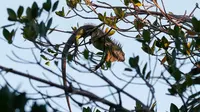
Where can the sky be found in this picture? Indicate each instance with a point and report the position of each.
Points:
(177, 7)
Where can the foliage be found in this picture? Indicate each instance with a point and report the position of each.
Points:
(13, 101)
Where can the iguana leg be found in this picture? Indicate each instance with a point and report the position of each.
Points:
(103, 60)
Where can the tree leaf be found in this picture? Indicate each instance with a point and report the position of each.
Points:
(20, 101)
(56, 63)
(49, 23)
(196, 24)
(47, 5)
(137, 3)
(20, 11)
(43, 57)
(61, 13)
(110, 33)
(173, 108)
(133, 62)
(146, 36)
(87, 109)
(55, 5)
(148, 75)
(38, 108)
(128, 69)
(100, 16)
(144, 69)
(86, 54)
(126, 2)
(138, 24)
(8, 36)
(47, 63)
(50, 51)
(69, 58)
(12, 15)
(146, 48)
(108, 64)
(34, 10)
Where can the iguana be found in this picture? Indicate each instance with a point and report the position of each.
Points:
(100, 40)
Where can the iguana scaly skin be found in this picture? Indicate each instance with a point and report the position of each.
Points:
(99, 39)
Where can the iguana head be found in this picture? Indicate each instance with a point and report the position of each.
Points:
(105, 43)
(114, 52)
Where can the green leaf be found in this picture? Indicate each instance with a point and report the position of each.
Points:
(86, 54)
(98, 110)
(153, 46)
(170, 60)
(156, 22)
(146, 36)
(133, 62)
(55, 54)
(12, 15)
(42, 29)
(34, 10)
(177, 31)
(138, 24)
(164, 43)
(128, 69)
(8, 36)
(12, 101)
(6, 99)
(43, 57)
(47, 5)
(29, 13)
(158, 43)
(146, 48)
(189, 80)
(47, 63)
(20, 11)
(138, 106)
(101, 17)
(49, 23)
(119, 13)
(50, 51)
(69, 58)
(72, 3)
(56, 63)
(20, 101)
(148, 75)
(173, 108)
(57, 47)
(196, 24)
(87, 109)
(172, 91)
(55, 5)
(108, 64)
(175, 72)
(126, 2)
(30, 31)
(61, 13)
(38, 108)
(100, 53)
(174, 55)
(144, 69)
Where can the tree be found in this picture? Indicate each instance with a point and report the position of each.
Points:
(170, 41)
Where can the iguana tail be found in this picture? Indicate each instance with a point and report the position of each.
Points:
(99, 40)
(86, 32)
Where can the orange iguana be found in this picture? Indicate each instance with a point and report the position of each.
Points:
(100, 40)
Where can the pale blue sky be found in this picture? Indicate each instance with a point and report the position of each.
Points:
(177, 7)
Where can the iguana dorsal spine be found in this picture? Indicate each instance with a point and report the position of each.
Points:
(99, 40)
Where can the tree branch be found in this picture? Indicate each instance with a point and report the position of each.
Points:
(72, 90)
